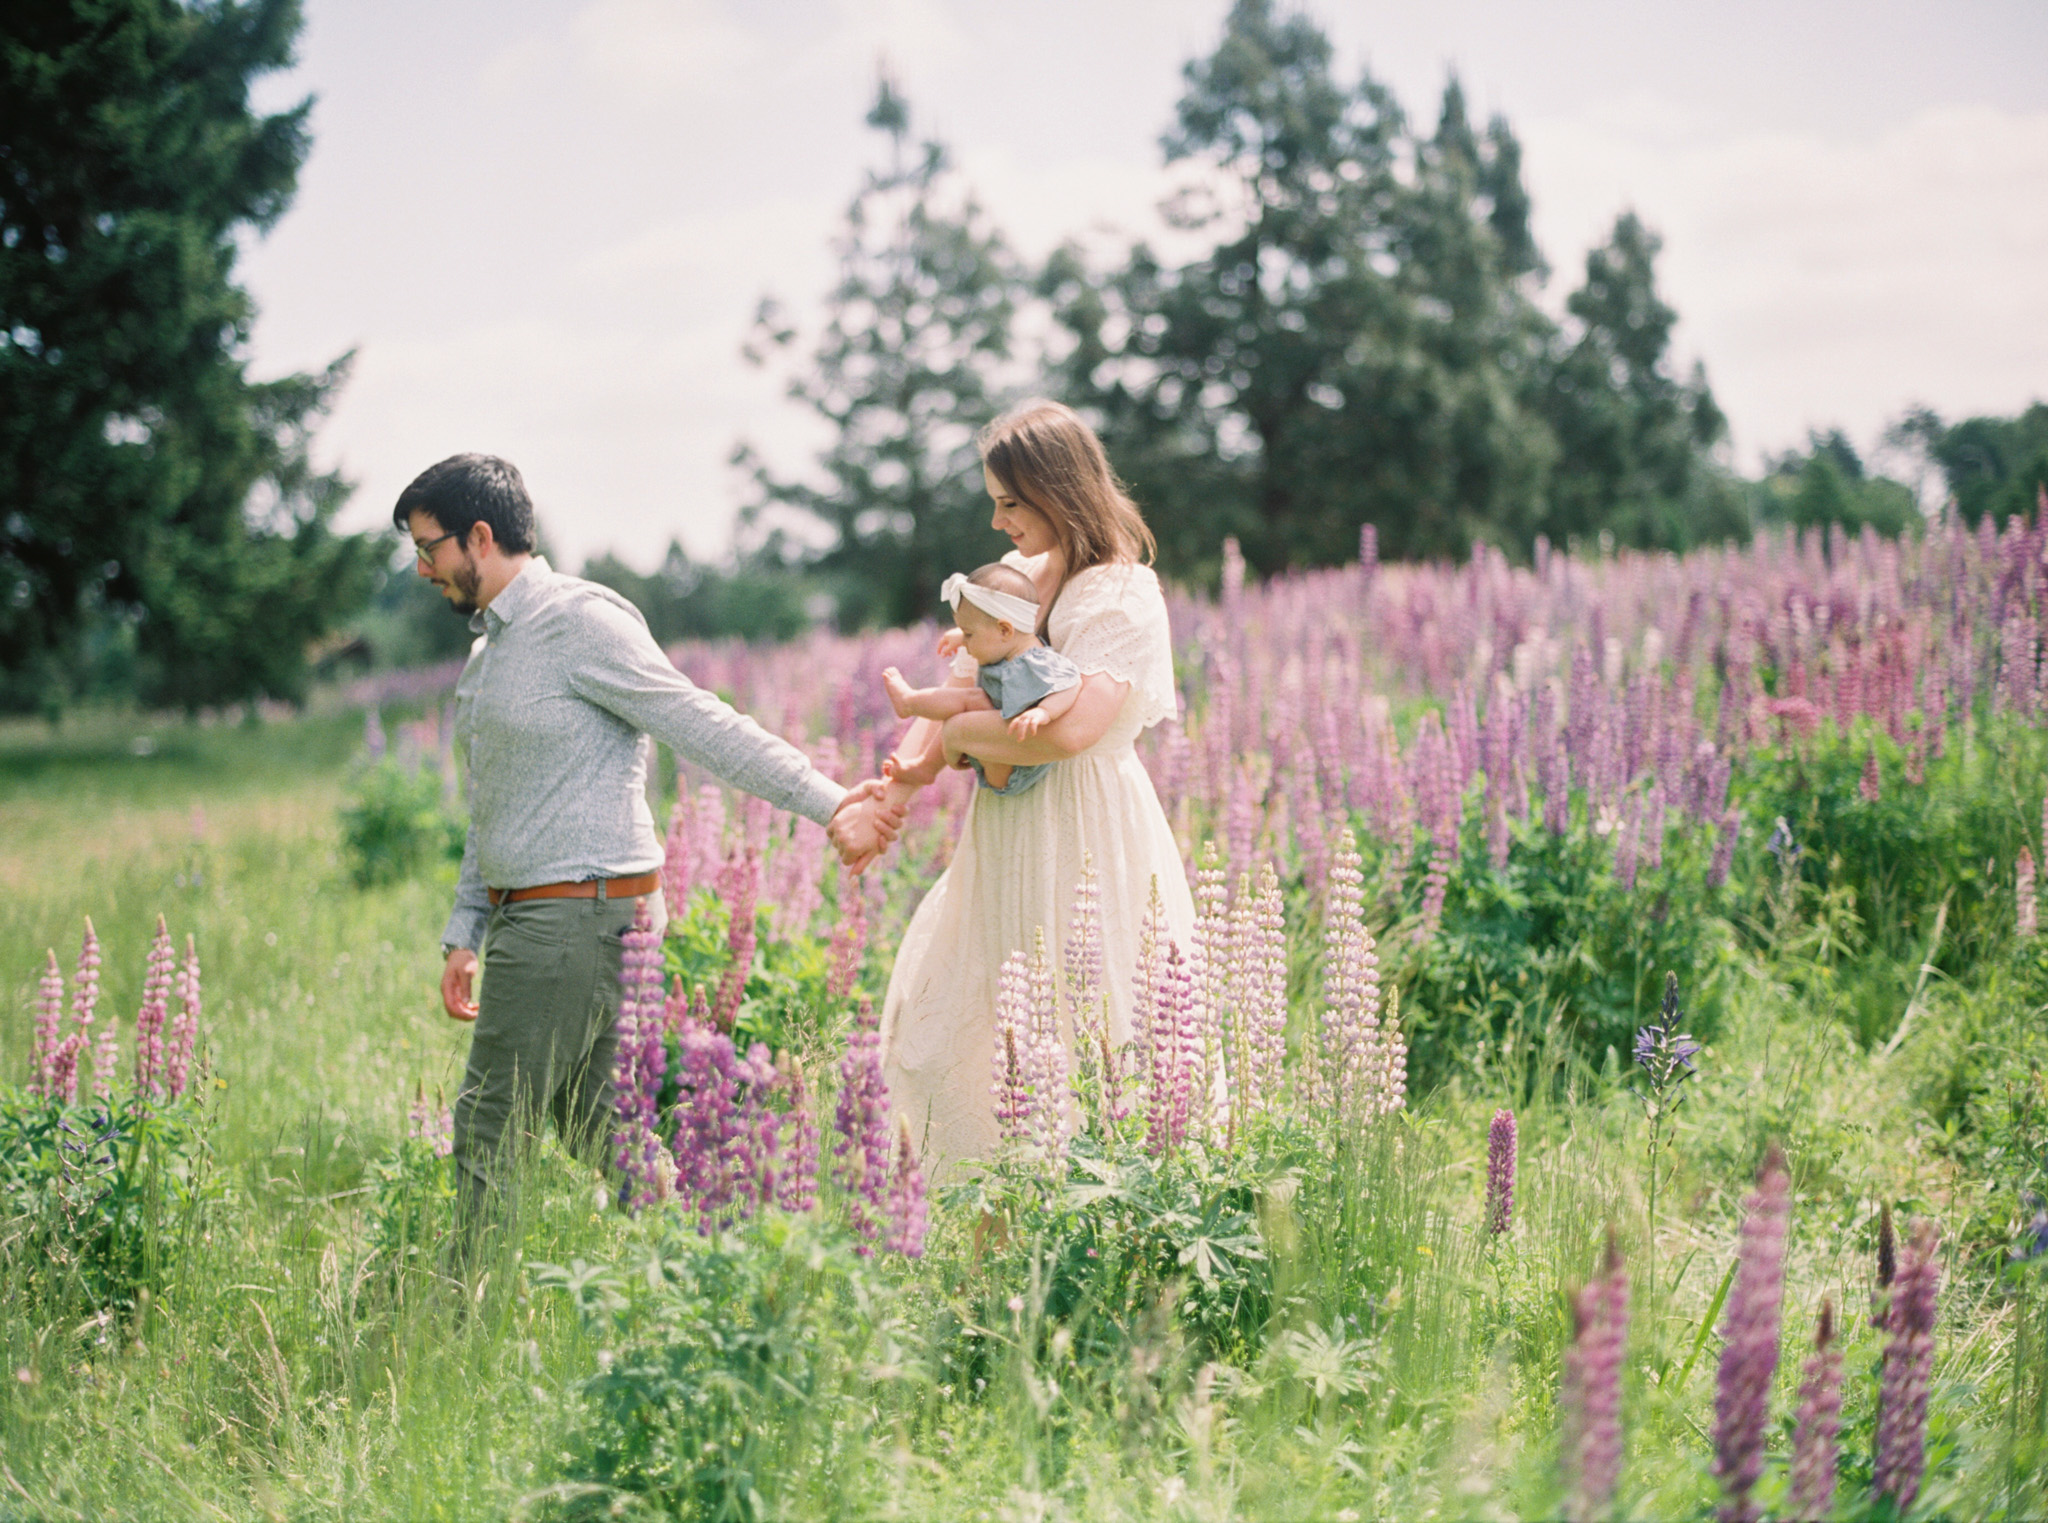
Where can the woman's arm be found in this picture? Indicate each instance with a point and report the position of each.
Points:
(1087, 720)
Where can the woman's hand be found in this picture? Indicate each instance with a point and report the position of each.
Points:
(987, 735)
(865, 823)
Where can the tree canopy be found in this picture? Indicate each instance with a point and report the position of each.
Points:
(162, 530)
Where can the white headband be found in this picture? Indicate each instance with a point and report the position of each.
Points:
(1018, 613)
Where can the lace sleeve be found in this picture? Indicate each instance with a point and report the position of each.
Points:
(1113, 619)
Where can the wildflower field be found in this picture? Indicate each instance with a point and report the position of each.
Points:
(1605, 1081)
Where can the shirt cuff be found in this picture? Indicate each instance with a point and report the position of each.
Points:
(465, 929)
(817, 798)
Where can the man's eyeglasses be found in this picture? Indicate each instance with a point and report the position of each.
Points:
(426, 552)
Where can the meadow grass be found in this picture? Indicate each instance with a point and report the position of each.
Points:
(1408, 1367)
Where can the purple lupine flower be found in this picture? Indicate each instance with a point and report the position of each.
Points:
(726, 1130)
(796, 1179)
(905, 1208)
(849, 938)
(1871, 784)
(738, 887)
(1816, 1427)
(1724, 849)
(1900, 1445)
(862, 1123)
(1749, 1328)
(1590, 1391)
(676, 855)
(184, 1025)
(640, 1062)
(2029, 907)
(1500, 1173)
(49, 1018)
(150, 1019)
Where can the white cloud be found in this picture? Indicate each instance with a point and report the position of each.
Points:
(1826, 280)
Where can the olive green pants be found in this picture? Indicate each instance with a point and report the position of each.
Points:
(545, 1038)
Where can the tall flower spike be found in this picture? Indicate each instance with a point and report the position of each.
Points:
(1901, 1454)
(739, 886)
(1209, 967)
(1500, 1173)
(1749, 1355)
(906, 1205)
(184, 1025)
(2029, 908)
(1590, 1398)
(49, 1018)
(1010, 1085)
(85, 987)
(862, 1123)
(796, 1182)
(639, 1065)
(151, 1018)
(1817, 1426)
(849, 937)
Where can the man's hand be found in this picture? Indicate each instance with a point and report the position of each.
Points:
(458, 984)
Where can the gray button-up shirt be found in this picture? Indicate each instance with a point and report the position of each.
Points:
(554, 709)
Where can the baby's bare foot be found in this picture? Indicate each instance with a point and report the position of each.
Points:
(899, 691)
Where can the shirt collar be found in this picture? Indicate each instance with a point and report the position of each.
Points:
(514, 597)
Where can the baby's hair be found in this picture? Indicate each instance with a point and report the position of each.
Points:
(1000, 578)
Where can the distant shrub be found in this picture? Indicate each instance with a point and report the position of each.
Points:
(394, 824)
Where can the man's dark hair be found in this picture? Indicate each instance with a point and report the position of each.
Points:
(465, 490)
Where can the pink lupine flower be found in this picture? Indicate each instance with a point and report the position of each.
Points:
(905, 1208)
(738, 886)
(1900, 1458)
(1350, 1080)
(1010, 1086)
(1500, 1173)
(1871, 784)
(796, 1173)
(1819, 1421)
(1590, 1395)
(184, 1026)
(861, 1150)
(1724, 849)
(677, 852)
(49, 1018)
(1749, 1328)
(849, 937)
(85, 997)
(150, 1019)
(640, 1063)
(1209, 972)
(430, 1122)
(1175, 1052)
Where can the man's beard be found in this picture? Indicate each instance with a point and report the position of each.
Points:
(464, 581)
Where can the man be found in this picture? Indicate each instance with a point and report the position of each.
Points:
(554, 708)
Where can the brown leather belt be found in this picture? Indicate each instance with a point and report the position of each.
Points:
(613, 888)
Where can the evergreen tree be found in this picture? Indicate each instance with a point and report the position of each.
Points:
(909, 366)
(1633, 440)
(154, 500)
(1356, 347)
(1995, 467)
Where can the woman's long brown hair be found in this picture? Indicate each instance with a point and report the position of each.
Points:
(1052, 463)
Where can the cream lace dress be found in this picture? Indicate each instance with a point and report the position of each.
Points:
(1016, 868)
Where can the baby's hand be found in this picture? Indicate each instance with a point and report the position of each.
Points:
(1027, 724)
(950, 643)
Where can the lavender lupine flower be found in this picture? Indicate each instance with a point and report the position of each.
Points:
(1500, 1173)
(1097, 1082)
(374, 742)
(1724, 849)
(2029, 908)
(725, 1129)
(1900, 1444)
(849, 937)
(1354, 1072)
(861, 1150)
(1816, 1427)
(739, 886)
(1146, 973)
(1590, 1393)
(1175, 1051)
(640, 1063)
(906, 1208)
(1010, 1086)
(707, 833)
(49, 1018)
(796, 1178)
(150, 1019)
(1749, 1328)
(184, 1026)
(676, 854)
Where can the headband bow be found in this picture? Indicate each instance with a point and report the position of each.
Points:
(1018, 613)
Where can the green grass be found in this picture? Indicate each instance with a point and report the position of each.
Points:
(1408, 1367)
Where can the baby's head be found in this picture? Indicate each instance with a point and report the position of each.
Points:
(993, 637)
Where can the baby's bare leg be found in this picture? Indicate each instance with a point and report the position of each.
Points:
(940, 703)
(996, 774)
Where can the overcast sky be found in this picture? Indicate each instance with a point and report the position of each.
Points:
(544, 225)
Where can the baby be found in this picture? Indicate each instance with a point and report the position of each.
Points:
(1031, 684)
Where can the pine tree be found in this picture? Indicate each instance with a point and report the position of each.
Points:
(157, 506)
(911, 362)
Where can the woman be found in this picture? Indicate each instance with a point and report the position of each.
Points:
(1084, 545)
